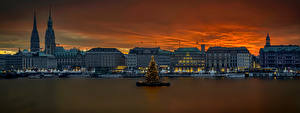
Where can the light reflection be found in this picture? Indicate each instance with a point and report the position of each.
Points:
(121, 95)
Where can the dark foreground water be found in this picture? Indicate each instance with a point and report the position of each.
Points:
(185, 95)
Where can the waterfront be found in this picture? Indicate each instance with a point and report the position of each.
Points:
(121, 95)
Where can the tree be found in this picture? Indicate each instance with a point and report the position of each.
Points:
(152, 72)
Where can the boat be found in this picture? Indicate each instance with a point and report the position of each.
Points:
(10, 75)
(143, 83)
(34, 77)
(47, 76)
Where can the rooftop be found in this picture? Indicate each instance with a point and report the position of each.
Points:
(103, 50)
(193, 49)
(60, 51)
(151, 51)
(276, 48)
(228, 49)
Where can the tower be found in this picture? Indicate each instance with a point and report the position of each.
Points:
(203, 48)
(268, 44)
(35, 40)
(50, 37)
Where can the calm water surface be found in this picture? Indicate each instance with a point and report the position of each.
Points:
(185, 95)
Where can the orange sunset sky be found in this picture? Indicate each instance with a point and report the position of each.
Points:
(125, 24)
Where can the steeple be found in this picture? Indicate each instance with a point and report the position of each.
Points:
(50, 36)
(35, 40)
(268, 44)
(50, 18)
(34, 20)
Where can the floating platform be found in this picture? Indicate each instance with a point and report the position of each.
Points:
(155, 84)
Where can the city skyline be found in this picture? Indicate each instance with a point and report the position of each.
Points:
(151, 24)
(154, 56)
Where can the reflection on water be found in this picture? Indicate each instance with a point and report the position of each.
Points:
(121, 95)
(151, 93)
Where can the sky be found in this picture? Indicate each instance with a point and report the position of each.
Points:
(125, 24)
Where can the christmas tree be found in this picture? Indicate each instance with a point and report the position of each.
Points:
(152, 72)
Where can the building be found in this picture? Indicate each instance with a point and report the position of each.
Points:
(69, 59)
(2, 61)
(109, 58)
(35, 40)
(268, 41)
(14, 62)
(203, 48)
(38, 60)
(131, 61)
(50, 37)
(279, 56)
(255, 64)
(139, 58)
(243, 59)
(188, 60)
(225, 59)
(24, 60)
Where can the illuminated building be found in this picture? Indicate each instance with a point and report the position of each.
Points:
(69, 59)
(140, 57)
(30, 60)
(255, 62)
(14, 62)
(188, 60)
(131, 61)
(224, 59)
(108, 58)
(38, 60)
(279, 56)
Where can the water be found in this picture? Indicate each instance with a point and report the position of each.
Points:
(185, 95)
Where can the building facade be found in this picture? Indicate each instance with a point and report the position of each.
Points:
(69, 59)
(14, 62)
(225, 59)
(25, 60)
(109, 58)
(279, 56)
(139, 58)
(3, 61)
(243, 59)
(38, 60)
(188, 60)
(131, 61)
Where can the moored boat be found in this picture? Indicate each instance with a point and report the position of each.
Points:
(143, 83)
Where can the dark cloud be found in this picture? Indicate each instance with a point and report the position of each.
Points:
(127, 23)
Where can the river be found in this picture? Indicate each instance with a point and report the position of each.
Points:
(185, 95)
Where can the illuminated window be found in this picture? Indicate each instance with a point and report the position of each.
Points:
(180, 61)
(176, 69)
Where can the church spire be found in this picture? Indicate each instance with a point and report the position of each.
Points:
(50, 36)
(268, 43)
(34, 19)
(50, 18)
(35, 40)
(50, 11)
